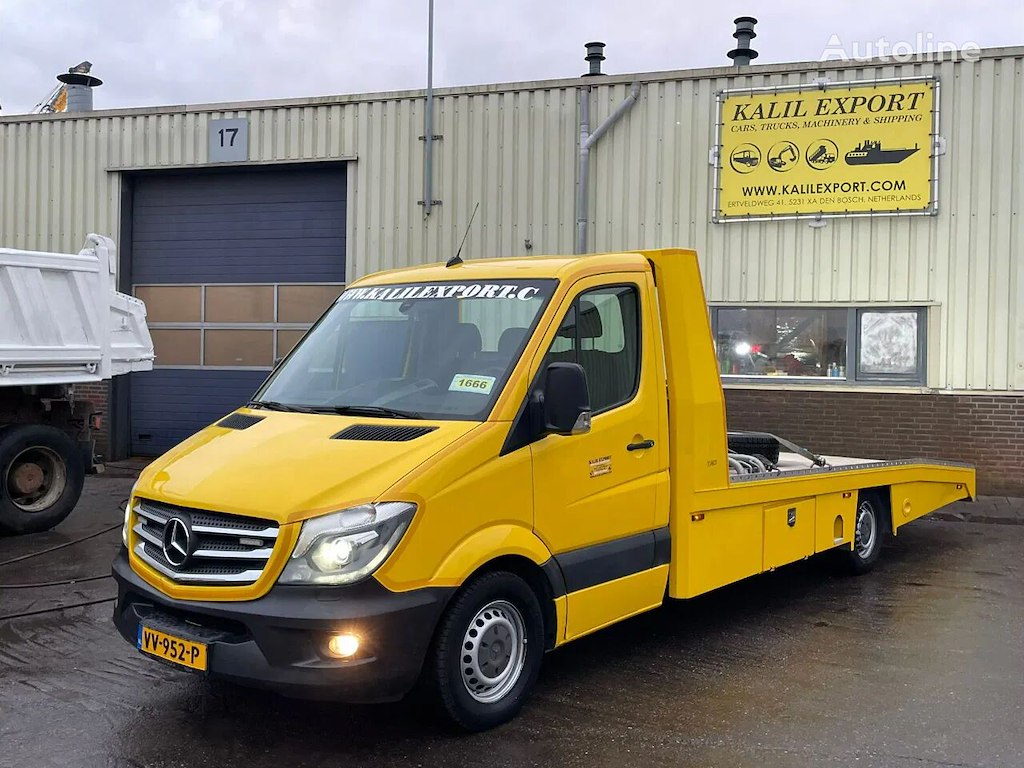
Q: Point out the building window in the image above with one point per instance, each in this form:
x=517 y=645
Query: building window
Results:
x=222 y=326
x=845 y=343
x=890 y=342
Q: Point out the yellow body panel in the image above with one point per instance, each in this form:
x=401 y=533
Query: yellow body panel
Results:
x=598 y=606
x=475 y=506
x=561 y=613
x=788 y=532
x=924 y=494
x=568 y=269
x=715 y=548
x=834 y=520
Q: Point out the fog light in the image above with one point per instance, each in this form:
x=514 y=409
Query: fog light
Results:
x=343 y=646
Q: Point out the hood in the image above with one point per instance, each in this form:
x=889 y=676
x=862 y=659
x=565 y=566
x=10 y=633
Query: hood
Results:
x=286 y=467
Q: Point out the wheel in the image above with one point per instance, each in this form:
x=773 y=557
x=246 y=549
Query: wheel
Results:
x=869 y=528
x=486 y=654
x=754 y=445
x=41 y=477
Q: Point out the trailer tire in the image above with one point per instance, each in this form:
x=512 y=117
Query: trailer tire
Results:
x=486 y=654
x=869 y=530
x=754 y=445
x=41 y=476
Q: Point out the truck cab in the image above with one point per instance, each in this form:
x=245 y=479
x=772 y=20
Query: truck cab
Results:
x=462 y=467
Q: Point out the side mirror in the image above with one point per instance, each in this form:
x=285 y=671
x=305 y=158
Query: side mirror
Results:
x=566 y=400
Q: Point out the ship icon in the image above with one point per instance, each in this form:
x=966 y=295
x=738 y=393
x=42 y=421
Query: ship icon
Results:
x=870 y=152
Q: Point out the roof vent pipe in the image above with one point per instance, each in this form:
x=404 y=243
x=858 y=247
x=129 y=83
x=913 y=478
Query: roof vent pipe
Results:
x=594 y=57
x=742 y=54
x=78 y=85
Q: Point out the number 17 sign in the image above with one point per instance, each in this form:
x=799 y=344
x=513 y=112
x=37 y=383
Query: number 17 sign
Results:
x=228 y=140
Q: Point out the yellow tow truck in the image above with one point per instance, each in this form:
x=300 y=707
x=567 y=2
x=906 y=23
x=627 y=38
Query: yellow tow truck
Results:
x=463 y=466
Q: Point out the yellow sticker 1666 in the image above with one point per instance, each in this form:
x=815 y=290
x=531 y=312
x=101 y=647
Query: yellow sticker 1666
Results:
x=468 y=382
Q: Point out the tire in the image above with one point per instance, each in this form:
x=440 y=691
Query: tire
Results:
x=491 y=611
x=765 y=446
x=41 y=477
x=869 y=529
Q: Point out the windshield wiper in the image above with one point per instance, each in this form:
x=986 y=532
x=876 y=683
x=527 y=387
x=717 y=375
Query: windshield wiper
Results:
x=273 y=405
x=369 y=410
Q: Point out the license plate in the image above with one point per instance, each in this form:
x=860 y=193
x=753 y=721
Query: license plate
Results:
x=173 y=649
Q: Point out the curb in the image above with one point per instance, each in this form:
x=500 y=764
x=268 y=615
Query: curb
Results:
x=957 y=517
x=998 y=510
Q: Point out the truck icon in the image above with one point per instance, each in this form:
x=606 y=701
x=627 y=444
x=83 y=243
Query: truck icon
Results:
x=822 y=156
x=746 y=157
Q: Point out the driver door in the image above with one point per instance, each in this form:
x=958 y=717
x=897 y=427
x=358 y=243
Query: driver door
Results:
x=601 y=498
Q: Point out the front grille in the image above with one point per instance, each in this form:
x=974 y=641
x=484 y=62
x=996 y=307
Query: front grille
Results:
x=224 y=549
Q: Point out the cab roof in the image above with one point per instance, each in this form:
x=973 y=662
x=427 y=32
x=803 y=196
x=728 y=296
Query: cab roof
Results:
x=519 y=267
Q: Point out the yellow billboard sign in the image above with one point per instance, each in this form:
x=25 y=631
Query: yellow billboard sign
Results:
x=834 y=150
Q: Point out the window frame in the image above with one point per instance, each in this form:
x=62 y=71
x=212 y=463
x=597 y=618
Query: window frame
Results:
x=854 y=376
x=574 y=307
x=921 y=368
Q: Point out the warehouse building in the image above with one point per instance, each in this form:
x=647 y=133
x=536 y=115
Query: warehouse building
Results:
x=876 y=314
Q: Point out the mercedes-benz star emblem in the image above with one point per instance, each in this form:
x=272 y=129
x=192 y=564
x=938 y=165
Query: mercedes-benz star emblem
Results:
x=177 y=541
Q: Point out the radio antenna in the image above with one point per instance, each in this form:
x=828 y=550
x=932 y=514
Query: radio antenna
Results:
x=457 y=258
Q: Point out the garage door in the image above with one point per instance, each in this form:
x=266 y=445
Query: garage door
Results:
x=233 y=267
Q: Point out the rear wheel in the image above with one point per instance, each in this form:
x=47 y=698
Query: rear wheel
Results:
x=41 y=477
x=869 y=529
x=487 y=652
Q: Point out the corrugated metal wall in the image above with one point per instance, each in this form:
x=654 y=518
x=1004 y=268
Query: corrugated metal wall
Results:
x=513 y=149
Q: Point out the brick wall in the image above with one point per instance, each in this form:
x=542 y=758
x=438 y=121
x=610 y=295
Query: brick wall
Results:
x=99 y=395
x=986 y=431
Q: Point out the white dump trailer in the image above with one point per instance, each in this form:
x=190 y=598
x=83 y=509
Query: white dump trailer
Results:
x=62 y=324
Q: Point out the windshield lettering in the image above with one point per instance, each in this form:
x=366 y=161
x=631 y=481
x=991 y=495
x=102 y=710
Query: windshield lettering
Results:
x=465 y=291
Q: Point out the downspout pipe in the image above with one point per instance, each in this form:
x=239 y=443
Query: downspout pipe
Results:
x=587 y=141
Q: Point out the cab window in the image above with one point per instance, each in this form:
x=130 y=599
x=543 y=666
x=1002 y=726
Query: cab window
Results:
x=601 y=332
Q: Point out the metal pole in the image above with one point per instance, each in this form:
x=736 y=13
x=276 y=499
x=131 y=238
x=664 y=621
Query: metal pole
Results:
x=428 y=118
x=583 y=172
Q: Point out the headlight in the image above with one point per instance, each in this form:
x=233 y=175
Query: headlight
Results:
x=127 y=525
x=346 y=546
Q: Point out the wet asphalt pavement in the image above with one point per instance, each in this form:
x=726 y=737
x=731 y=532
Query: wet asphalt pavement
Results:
x=920 y=663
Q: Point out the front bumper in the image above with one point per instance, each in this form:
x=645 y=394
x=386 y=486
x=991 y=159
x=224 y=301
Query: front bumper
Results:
x=278 y=641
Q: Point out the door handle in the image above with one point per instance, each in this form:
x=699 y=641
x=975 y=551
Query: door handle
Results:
x=643 y=445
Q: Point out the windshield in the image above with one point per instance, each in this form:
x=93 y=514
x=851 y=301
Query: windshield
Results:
x=413 y=350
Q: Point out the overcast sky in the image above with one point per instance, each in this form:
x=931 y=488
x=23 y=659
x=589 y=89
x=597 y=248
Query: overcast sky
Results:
x=151 y=52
